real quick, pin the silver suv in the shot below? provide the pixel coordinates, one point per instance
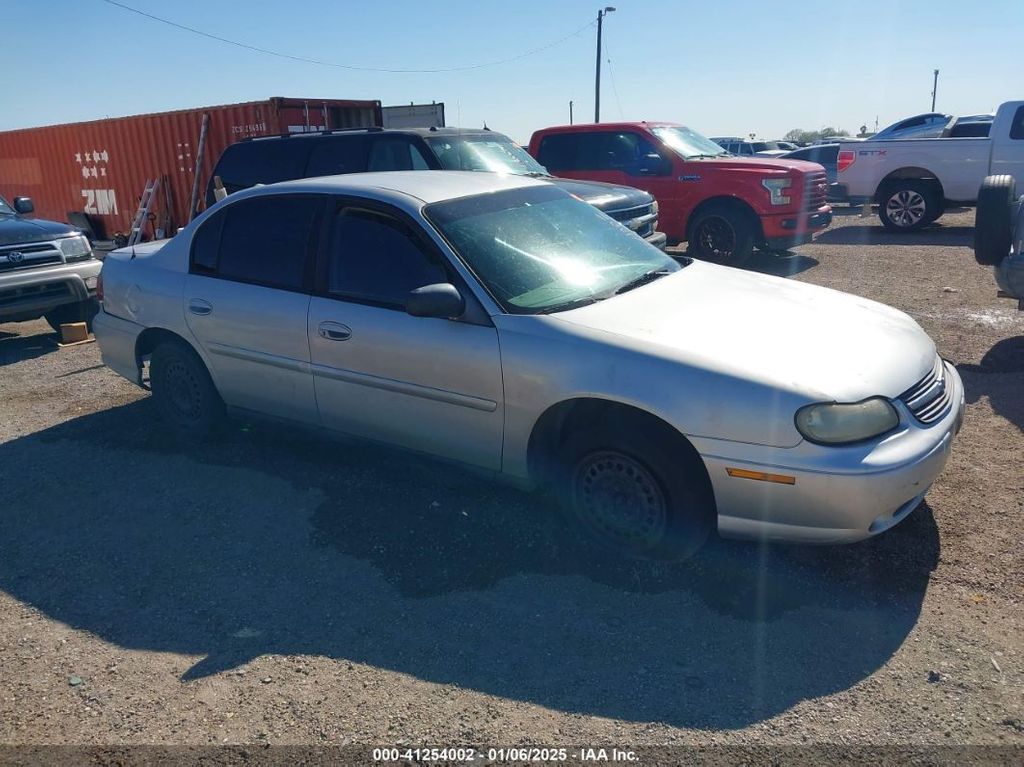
(47, 269)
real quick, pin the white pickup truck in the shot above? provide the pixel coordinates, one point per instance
(912, 180)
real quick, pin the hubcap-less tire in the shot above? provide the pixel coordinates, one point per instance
(82, 311)
(617, 498)
(183, 392)
(993, 221)
(908, 206)
(637, 487)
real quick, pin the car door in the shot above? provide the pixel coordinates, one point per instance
(427, 384)
(247, 297)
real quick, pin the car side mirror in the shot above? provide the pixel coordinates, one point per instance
(23, 205)
(652, 165)
(442, 301)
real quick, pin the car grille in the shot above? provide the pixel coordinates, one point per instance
(815, 190)
(930, 398)
(634, 218)
(28, 256)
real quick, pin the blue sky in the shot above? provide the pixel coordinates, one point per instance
(724, 69)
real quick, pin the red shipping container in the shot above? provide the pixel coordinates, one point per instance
(101, 167)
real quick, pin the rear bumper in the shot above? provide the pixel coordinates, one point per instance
(117, 338)
(33, 292)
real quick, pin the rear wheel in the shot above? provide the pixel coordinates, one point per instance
(723, 234)
(636, 491)
(907, 205)
(80, 311)
(183, 391)
(993, 221)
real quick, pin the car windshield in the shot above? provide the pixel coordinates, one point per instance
(5, 209)
(488, 153)
(539, 250)
(687, 143)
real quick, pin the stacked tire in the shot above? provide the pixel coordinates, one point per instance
(993, 223)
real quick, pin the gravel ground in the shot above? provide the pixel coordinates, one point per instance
(278, 588)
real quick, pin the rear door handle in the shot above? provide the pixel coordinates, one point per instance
(200, 307)
(334, 331)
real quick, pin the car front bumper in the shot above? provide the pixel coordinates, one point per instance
(787, 230)
(837, 494)
(31, 293)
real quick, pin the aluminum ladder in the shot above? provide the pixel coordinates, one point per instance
(142, 214)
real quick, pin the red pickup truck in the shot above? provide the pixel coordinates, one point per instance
(722, 205)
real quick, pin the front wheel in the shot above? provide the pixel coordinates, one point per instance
(722, 234)
(634, 493)
(906, 206)
(80, 311)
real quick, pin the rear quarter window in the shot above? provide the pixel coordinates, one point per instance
(336, 155)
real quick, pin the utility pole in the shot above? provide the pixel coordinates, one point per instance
(597, 77)
(935, 83)
(570, 112)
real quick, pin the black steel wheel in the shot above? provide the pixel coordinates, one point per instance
(638, 490)
(183, 391)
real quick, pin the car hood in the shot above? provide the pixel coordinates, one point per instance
(760, 164)
(15, 230)
(816, 343)
(604, 196)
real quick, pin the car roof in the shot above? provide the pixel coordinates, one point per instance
(428, 186)
(373, 131)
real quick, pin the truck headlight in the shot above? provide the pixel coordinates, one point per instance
(74, 247)
(654, 207)
(837, 423)
(776, 187)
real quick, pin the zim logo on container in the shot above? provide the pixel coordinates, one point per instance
(100, 202)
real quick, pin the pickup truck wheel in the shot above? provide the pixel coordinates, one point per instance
(906, 206)
(993, 220)
(81, 311)
(722, 234)
(183, 391)
(628, 491)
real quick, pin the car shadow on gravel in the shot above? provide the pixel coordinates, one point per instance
(18, 348)
(876, 234)
(989, 379)
(272, 541)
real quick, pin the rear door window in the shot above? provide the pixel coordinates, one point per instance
(262, 162)
(267, 240)
(337, 155)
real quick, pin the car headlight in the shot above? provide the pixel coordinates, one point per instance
(776, 187)
(654, 207)
(74, 247)
(837, 423)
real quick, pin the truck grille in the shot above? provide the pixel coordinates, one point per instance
(640, 218)
(929, 399)
(815, 190)
(28, 256)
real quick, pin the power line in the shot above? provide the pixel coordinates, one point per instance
(615, 90)
(354, 67)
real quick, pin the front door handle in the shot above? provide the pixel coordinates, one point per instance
(334, 331)
(200, 307)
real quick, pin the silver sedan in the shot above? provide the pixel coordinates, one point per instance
(499, 322)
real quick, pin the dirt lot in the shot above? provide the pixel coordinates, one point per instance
(277, 588)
